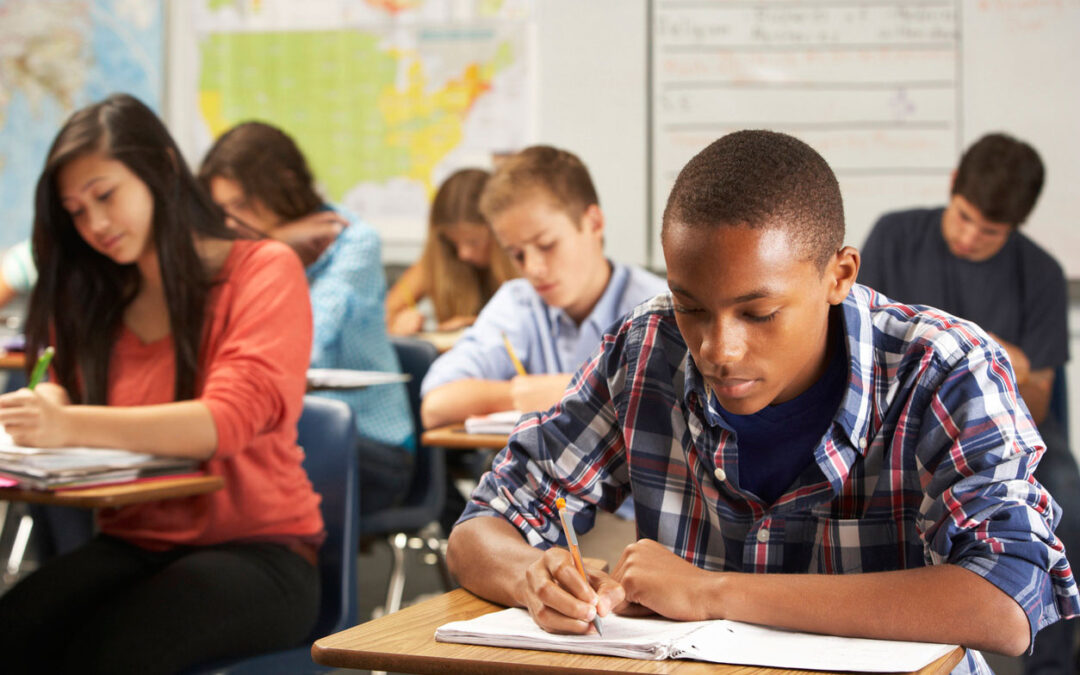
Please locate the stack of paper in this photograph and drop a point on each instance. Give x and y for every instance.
(339, 378)
(52, 468)
(495, 423)
(716, 641)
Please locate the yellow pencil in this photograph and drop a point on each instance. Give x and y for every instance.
(575, 552)
(513, 357)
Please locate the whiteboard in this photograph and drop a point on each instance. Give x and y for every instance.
(890, 93)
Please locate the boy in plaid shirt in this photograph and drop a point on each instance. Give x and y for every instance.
(802, 452)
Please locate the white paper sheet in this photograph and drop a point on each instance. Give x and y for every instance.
(337, 378)
(502, 422)
(716, 641)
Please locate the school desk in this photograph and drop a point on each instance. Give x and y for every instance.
(12, 361)
(96, 497)
(328, 379)
(405, 642)
(442, 339)
(454, 437)
(119, 494)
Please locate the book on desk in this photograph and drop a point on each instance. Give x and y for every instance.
(57, 468)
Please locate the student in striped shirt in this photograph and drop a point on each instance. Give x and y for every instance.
(802, 452)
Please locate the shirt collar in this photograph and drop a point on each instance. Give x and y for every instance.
(852, 418)
(606, 309)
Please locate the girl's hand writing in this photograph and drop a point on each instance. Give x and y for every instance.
(36, 418)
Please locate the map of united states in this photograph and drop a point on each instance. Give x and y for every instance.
(360, 110)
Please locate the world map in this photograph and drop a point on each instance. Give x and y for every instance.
(56, 57)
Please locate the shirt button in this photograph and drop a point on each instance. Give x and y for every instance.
(763, 535)
(720, 475)
(862, 443)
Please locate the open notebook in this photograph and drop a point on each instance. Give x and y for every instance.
(716, 641)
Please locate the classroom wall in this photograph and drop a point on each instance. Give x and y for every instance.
(593, 101)
(593, 98)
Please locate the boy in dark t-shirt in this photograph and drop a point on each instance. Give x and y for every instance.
(970, 259)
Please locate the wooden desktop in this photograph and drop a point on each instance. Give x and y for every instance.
(119, 494)
(454, 437)
(405, 642)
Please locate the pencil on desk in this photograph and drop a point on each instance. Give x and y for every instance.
(575, 552)
(513, 357)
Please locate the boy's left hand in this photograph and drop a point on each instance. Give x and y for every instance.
(35, 418)
(657, 580)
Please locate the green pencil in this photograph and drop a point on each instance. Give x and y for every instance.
(41, 366)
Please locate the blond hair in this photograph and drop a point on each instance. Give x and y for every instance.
(455, 287)
(540, 169)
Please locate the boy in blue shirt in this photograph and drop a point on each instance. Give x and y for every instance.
(908, 511)
(545, 213)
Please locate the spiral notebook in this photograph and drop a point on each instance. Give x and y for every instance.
(718, 641)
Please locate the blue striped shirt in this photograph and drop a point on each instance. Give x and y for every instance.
(928, 460)
(545, 338)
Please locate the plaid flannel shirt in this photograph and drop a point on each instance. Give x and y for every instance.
(929, 460)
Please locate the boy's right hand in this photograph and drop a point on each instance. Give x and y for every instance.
(530, 393)
(560, 601)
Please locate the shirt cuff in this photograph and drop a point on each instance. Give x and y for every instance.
(1026, 583)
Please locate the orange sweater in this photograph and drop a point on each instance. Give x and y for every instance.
(252, 377)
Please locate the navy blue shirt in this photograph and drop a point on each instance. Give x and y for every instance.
(777, 443)
(1020, 293)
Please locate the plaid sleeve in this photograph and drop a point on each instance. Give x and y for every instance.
(984, 511)
(574, 451)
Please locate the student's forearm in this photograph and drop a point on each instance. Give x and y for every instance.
(941, 603)
(1036, 393)
(182, 429)
(489, 557)
(454, 401)
(406, 292)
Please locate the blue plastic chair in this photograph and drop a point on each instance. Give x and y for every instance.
(327, 432)
(422, 506)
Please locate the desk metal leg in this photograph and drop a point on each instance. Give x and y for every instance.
(18, 547)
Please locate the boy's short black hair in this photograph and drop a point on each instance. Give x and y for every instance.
(1002, 177)
(762, 179)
